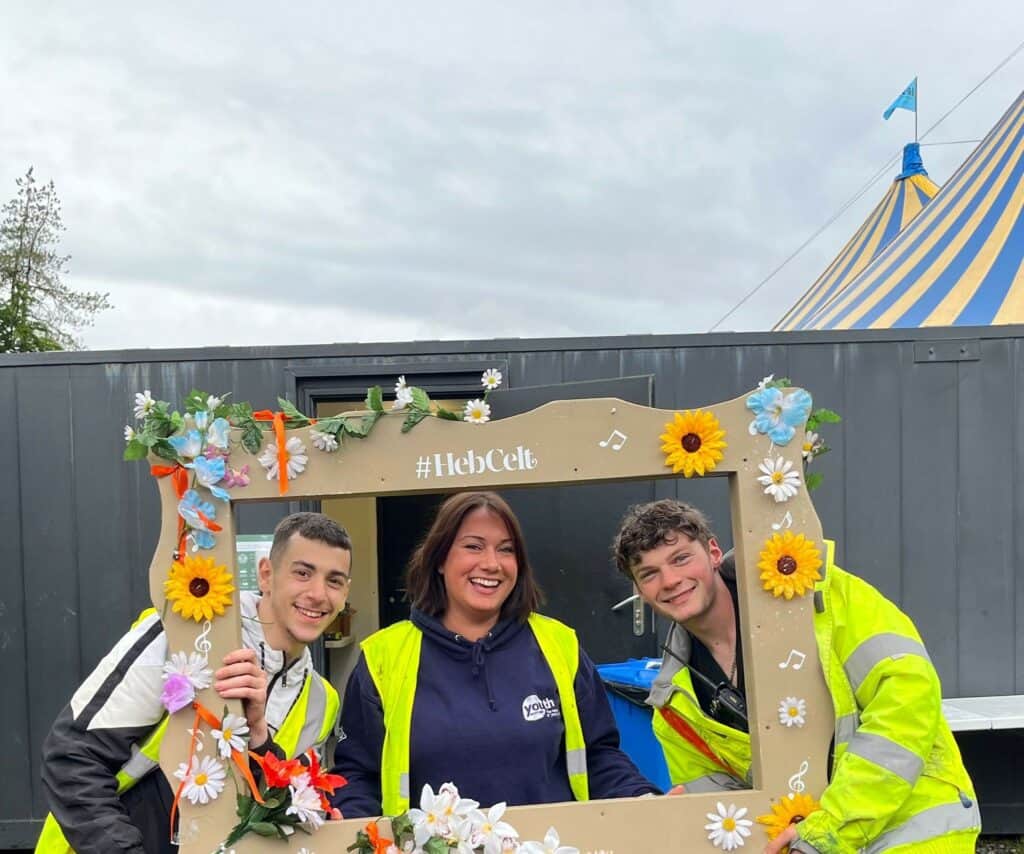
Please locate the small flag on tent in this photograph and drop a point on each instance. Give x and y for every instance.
(907, 100)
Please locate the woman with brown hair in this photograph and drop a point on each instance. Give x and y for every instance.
(477, 688)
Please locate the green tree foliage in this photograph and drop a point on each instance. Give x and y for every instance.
(37, 310)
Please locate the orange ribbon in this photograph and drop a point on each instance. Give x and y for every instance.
(238, 756)
(179, 477)
(282, 453)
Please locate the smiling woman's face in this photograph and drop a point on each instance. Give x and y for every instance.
(480, 570)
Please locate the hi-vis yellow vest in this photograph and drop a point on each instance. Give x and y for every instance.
(308, 722)
(393, 658)
(897, 782)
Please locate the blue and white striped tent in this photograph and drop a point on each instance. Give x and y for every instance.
(961, 261)
(907, 195)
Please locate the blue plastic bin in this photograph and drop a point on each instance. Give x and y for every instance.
(627, 684)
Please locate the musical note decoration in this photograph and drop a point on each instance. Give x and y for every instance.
(616, 439)
(795, 659)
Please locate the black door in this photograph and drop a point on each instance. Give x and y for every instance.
(568, 532)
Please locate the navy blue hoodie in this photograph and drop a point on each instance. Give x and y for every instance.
(486, 717)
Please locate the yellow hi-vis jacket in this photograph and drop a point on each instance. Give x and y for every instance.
(897, 781)
(392, 659)
(308, 723)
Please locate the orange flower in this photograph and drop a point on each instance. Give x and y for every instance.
(320, 779)
(380, 843)
(279, 772)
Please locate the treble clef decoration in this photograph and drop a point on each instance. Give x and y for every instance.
(203, 645)
(796, 782)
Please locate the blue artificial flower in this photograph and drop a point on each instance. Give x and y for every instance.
(209, 472)
(189, 508)
(202, 418)
(778, 414)
(188, 445)
(218, 433)
(202, 539)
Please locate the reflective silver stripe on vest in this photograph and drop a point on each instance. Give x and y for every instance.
(716, 782)
(927, 824)
(576, 761)
(316, 708)
(403, 786)
(846, 727)
(890, 755)
(139, 765)
(877, 648)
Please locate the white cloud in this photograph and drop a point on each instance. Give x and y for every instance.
(421, 171)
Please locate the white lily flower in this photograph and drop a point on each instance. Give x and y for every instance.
(143, 404)
(491, 832)
(550, 845)
(212, 402)
(457, 807)
(429, 819)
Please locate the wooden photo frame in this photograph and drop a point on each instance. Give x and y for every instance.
(559, 443)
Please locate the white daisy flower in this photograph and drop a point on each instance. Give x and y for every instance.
(491, 379)
(780, 480)
(793, 712)
(295, 452)
(129, 432)
(232, 735)
(143, 404)
(812, 441)
(326, 442)
(403, 397)
(727, 827)
(192, 666)
(305, 802)
(477, 412)
(204, 783)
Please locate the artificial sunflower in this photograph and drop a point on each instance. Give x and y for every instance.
(198, 588)
(789, 565)
(792, 809)
(693, 442)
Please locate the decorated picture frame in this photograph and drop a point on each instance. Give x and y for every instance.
(218, 455)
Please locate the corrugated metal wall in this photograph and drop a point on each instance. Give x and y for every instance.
(922, 493)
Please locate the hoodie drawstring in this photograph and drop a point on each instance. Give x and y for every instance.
(480, 663)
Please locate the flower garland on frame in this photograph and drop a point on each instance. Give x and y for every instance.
(446, 822)
(196, 444)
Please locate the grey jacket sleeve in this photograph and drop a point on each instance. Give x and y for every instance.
(93, 736)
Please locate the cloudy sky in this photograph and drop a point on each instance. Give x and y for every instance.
(262, 173)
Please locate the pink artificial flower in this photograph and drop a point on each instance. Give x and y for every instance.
(235, 477)
(178, 692)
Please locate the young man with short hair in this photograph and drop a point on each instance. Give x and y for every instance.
(103, 746)
(896, 777)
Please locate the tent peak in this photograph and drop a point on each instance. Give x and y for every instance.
(912, 163)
